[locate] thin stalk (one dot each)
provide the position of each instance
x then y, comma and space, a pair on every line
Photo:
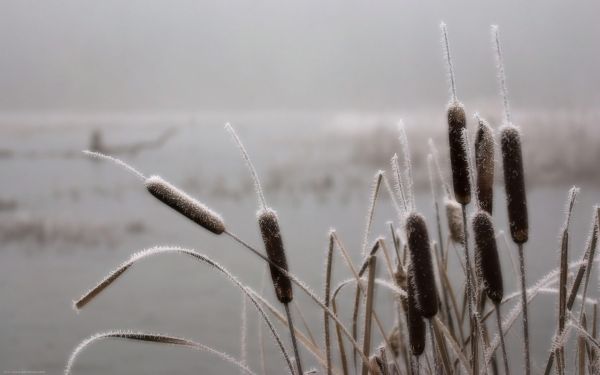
502, 344
327, 302
369, 312
470, 297
293, 335
525, 316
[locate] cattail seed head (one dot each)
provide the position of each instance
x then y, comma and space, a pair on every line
420, 256
457, 125
271, 234
415, 322
184, 204
455, 221
514, 183
484, 165
487, 261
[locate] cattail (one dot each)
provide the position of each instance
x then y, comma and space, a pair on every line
457, 124
184, 204
420, 256
514, 182
486, 256
415, 322
455, 220
271, 234
484, 165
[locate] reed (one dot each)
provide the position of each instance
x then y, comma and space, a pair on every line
514, 186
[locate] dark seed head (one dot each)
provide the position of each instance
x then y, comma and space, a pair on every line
185, 205
416, 324
486, 256
457, 125
514, 183
484, 165
420, 256
271, 234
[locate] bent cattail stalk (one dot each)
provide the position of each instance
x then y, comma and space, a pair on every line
184, 204
484, 164
172, 197
420, 256
514, 182
414, 320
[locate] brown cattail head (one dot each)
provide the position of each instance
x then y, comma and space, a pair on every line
415, 322
271, 234
184, 204
420, 256
457, 125
484, 165
487, 261
514, 183
455, 221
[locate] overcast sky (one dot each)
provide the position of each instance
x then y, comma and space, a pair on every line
307, 54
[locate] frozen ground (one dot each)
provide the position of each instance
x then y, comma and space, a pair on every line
65, 221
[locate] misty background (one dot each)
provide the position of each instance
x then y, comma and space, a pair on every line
94, 56
316, 90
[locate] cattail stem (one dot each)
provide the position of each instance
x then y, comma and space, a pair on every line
434, 349
470, 296
502, 344
448, 57
293, 335
524, 302
369, 311
329, 264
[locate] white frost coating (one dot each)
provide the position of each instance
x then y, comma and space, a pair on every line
408, 175
371, 211
398, 181
154, 338
448, 58
469, 156
118, 162
532, 292
392, 195
261, 197
501, 73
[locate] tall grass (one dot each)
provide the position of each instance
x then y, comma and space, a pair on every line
413, 273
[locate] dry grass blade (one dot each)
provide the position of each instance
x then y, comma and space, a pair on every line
200, 257
153, 338
328, 269
369, 311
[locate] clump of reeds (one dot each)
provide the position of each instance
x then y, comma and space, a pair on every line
411, 279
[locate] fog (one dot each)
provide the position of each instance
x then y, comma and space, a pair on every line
95, 56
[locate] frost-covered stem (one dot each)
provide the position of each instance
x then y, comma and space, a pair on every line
470, 297
257, 186
448, 57
119, 162
501, 73
371, 211
293, 335
502, 344
524, 303
410, 196
327, 301
244, 332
